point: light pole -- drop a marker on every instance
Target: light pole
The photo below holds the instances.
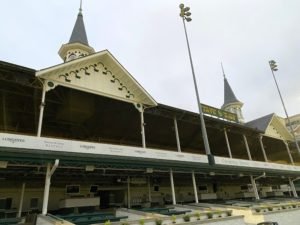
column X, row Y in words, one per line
column 273, row 68
column 185, row 15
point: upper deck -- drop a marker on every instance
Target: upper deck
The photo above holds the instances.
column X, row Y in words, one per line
column 25, row 149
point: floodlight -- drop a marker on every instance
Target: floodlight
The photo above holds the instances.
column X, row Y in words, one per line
column 186, row 9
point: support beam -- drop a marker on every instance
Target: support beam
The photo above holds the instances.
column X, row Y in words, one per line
column 128, row 193
column 49, row 174
column 41, row 111
column 289, row 152
column 177, row 135
column 172, row 187
column 263, row 148
column 247, row 147
column 141, row 109
column 195, row 187
column 292, row 185
column 254, row 187
column 21, row 200
column 227, row 143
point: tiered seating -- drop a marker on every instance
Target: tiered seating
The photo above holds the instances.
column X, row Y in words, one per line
column 91, row 218
column 175, row 212
column 165, row 211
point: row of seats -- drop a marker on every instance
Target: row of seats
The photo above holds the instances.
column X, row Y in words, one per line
column 91, row 218
column 165, row 211
column 88, row 215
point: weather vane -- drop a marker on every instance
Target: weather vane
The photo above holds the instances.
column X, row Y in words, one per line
column 223, row 70
column 80, row 9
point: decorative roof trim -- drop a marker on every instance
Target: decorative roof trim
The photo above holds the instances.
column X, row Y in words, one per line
column 149, row 101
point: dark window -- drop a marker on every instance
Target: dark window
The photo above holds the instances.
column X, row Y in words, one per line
column 2, row 203
column 8, row 203
column 202, row 188
column 244, row 188
column 72, row 189
column 34, row 203
column 93, row 188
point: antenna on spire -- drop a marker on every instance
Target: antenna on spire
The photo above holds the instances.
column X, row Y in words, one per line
column 80, row 9
column 223, row 71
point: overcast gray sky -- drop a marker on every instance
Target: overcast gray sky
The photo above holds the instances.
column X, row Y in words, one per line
column 147, row 37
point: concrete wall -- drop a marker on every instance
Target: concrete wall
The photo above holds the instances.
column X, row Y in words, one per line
column 228, row 191
column 134, row 218
column 15, row 194
column 140, row 193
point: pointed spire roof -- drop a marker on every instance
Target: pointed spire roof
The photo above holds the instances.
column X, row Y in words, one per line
column 229, row 96
column 78, row 33
column 78, row 45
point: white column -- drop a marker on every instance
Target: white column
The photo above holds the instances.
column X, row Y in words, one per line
column 289, row 152
column 49, row 173
column 172, row 187
column 263, row 148
column 46, row 190
column 195, row 187
column 247, row 147
column 227, row 143
column 21, row 200
column 140, row 108
column 149, row 191
column 41, row 112
column 143, row 128
column 254, row 188
column 177, row 135
column 128, row 193
column 293, row 188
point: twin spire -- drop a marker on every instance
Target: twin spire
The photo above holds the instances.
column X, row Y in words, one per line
column 78, row 45
column 231, row 103
column 79, row 33
column 229, row 96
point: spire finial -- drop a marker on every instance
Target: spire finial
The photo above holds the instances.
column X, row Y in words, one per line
column 223, row 71
column 80, row 9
